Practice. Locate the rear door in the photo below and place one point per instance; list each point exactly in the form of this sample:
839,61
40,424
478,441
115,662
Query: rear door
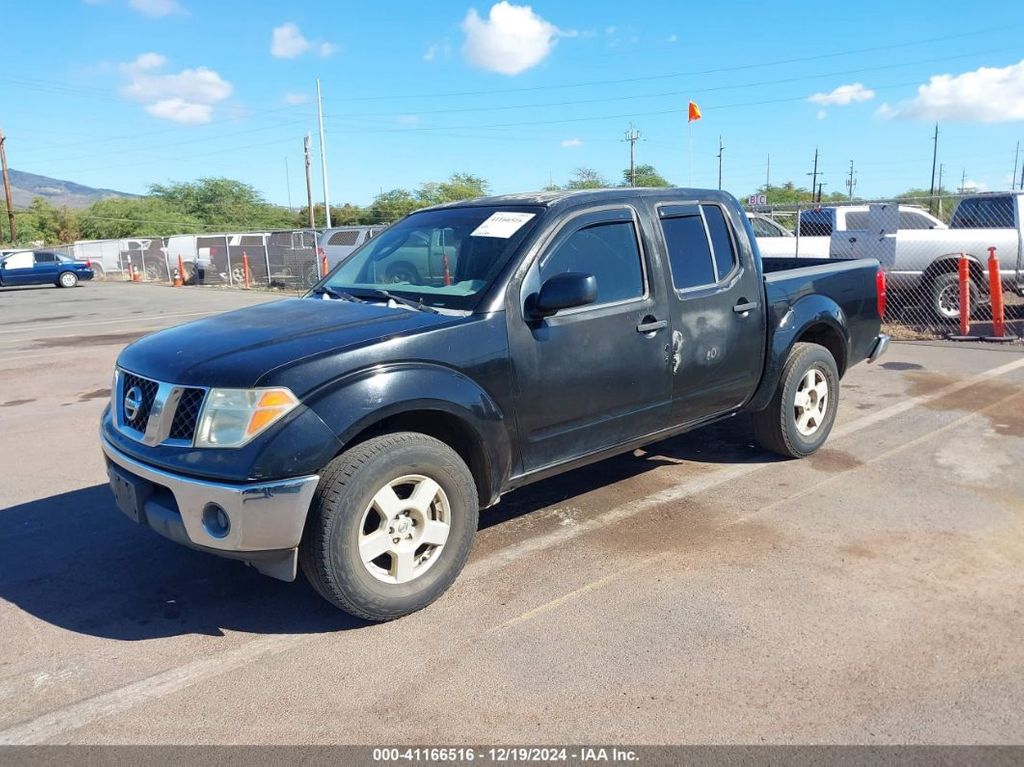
594,376
46,268
717,310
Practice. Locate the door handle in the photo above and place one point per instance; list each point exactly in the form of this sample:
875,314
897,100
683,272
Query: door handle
649,325
744,306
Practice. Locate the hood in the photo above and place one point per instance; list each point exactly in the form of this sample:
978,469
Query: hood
237,348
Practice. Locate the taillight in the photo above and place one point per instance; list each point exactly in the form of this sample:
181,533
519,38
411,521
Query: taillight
88,264
880,290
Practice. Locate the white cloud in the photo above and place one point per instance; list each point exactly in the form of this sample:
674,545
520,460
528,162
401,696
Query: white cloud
511,40
441,49
288,42
988,95
294,98
186,97
156,8
572,142
843,95
672,39
181,111
976,186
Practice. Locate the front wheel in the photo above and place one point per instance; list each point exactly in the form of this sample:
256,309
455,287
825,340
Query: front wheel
67,279
391,526
801,413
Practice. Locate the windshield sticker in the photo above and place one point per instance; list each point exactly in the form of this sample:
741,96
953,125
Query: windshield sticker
502,224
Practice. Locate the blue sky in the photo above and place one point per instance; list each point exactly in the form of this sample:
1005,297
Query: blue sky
123,93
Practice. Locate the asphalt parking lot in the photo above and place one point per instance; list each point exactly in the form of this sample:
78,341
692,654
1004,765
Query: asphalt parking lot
699,591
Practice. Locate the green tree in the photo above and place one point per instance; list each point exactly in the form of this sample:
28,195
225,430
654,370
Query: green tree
586,178
393,205
42,222
223,203
646,175
117,217
459,186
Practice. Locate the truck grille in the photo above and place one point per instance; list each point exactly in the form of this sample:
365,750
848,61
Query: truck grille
155,412
185,417
148,389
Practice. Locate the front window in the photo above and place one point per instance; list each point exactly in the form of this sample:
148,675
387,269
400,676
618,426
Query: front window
442,258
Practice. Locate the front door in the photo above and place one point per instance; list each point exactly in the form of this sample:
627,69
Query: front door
46,268
593,376
18,268
718,331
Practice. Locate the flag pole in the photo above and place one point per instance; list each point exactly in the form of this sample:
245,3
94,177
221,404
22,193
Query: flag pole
689,129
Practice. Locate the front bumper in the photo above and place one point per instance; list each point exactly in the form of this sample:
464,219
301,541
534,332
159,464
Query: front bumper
879,346
259,522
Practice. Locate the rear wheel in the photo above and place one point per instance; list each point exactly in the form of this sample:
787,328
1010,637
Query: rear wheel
67,279
391,526
945,296
803,409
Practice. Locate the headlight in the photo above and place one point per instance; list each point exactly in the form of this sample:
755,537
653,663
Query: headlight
232,417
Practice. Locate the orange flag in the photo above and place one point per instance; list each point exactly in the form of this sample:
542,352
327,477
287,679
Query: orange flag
694,112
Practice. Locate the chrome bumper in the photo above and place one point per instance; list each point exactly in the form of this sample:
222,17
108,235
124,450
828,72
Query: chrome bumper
264,519
879,347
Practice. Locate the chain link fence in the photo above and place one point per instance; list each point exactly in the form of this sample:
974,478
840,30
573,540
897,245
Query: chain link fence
919,243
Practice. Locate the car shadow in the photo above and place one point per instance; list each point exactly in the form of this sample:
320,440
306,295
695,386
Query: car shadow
74,561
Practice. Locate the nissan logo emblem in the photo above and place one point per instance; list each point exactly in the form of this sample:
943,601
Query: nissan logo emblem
132,403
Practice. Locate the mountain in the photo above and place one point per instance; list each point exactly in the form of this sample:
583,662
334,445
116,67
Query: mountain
27,186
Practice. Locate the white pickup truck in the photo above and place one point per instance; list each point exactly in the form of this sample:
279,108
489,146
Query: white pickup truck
925,260
820,226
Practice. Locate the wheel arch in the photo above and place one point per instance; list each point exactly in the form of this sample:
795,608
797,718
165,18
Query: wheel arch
815,319
950,263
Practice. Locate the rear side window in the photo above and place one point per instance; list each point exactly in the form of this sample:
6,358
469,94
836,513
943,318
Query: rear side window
609,251
45,258
984,213
349,237
721,240
689,252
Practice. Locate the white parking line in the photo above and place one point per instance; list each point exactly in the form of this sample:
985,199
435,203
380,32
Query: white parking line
56,724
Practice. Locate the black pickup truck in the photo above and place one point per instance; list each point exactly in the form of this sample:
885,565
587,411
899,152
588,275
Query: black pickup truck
357,431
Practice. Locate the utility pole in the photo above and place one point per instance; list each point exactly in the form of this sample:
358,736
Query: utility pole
768,175
7,189
942,167
720,150
851,182
323,154
632,136
1016,158
814,175
963,181
935,157
306,140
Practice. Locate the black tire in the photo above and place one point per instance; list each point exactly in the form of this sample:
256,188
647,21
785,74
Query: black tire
775,427
944,296
67,280
329,552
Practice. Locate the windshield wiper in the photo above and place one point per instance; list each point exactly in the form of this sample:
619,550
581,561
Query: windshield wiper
417,305
335,293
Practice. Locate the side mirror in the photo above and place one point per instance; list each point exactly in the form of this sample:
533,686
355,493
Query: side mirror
563,291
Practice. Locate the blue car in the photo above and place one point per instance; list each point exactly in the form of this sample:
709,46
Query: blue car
42,267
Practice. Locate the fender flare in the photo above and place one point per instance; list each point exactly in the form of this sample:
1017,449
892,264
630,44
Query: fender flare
356,402
806,313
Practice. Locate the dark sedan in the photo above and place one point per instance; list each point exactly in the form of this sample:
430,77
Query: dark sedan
42,267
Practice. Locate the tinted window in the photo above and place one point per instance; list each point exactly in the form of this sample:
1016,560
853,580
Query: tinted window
45,258
349,237
816,223
765,228
607,251
858,220
689,254
251,240
911,220
984,213
721,239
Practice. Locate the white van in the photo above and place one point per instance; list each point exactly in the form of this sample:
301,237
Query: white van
338,242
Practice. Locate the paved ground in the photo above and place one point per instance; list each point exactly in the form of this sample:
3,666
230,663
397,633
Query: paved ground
696,592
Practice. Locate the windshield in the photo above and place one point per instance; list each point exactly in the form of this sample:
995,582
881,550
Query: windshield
443,258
